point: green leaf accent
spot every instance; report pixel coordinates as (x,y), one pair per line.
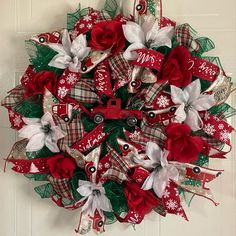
(79,174)
(37,177)
(206,44)
(31,108)
(45,190)
(115,194)
(111,7)
(151,7)
(44,152)
(225,109)
(40,56)
(124,95)
(88,124)
(74,17)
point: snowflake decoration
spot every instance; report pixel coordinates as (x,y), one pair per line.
(207,116)
(87,18)
(62,81)
(209,129)
(11,114)
(81,26)
(17,121)
(171,204)
(62,91)
(71,78)
(100,166)
(107,165)
(221,126)
(166,194)
(224,136)
(90,26)
(163,101)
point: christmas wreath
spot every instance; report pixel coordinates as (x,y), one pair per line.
(119,115)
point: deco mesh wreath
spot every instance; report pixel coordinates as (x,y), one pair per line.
(120,115)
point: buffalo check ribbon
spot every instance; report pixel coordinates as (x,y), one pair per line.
(84,91)
(61,187)
(15,96)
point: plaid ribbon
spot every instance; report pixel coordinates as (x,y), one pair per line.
(61,187)
(84,92)
(74,131)
(119,67)
(185,37)
(118,169)
(153,133)
(103,16)
(152,91)
(115,175)
(15,96)
(117,161)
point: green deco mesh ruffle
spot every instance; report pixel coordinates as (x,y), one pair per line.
(115,193)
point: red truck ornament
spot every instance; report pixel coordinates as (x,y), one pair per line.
(113,111)
(63,110)
(165,116)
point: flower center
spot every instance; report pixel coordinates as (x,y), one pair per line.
(96,192)
(187,107)
(46,128)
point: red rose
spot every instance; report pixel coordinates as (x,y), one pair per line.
(181,145)
(108,35)
(41,80)
(61,166)
(139,200)
(175,69)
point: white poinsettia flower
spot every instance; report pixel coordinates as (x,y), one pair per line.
(41,132)
(191,101)
(162,172)
(70,54)
(148,35)
(94,196)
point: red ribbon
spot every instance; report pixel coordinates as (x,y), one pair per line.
(203,69)
(92,139)
(35,166)
(66,82)
(149,59)
(102,79)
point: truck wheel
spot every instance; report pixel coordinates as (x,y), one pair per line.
(98,118)
(66,119)
(132,121)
